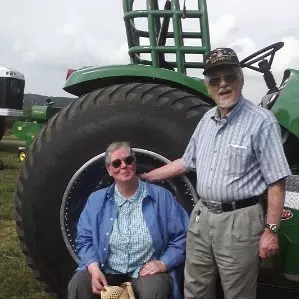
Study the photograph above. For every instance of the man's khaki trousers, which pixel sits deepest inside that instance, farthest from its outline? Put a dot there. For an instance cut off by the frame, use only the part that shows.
(228, 244)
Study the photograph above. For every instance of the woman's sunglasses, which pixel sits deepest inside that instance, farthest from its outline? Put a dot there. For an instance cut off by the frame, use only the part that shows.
(229, 78)
(128, 161)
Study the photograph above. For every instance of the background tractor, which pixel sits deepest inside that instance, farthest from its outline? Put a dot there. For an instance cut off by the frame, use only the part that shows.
(27, 130)
(155, 105)
(12, 84)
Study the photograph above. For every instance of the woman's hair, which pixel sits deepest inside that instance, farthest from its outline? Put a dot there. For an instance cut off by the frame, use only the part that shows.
(115, 146)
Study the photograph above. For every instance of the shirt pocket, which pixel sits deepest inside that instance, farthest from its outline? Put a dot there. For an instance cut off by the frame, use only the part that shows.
(237, 160)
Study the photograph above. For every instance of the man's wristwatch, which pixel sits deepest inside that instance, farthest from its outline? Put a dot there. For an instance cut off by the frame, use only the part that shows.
(272, 227)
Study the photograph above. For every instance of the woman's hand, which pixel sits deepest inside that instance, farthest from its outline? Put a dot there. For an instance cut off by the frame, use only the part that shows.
(98, 279)
(153, 267)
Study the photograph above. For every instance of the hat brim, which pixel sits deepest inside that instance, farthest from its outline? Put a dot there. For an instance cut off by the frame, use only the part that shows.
(218, 65)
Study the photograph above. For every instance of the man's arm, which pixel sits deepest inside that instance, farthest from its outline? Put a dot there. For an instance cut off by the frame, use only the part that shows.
(276, 196)
(269, 240)
(172, 169)
(179, 166)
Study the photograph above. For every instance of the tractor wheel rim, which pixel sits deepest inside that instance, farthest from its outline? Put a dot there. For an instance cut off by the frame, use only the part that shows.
(64, 208)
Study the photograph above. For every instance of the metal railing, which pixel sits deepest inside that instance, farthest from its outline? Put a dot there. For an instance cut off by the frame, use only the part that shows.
(158, 33)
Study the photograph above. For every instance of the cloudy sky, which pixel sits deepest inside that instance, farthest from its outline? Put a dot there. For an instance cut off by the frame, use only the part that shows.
(42, 39)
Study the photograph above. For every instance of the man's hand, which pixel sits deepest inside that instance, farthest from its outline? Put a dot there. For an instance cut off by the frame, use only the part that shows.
(153, 267)
(98, 279)
(144, 176)
(268, 244)
(169, 170)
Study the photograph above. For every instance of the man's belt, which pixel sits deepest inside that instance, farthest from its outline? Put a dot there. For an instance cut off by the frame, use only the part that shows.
(220, 207)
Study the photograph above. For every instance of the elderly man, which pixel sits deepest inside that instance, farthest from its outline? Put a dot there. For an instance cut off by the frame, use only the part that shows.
(237, 152)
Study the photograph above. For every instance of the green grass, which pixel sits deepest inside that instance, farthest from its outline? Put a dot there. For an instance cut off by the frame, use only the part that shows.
(16, 280)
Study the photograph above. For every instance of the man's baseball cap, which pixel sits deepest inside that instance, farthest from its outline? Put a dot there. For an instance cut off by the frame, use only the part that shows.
(219, 57)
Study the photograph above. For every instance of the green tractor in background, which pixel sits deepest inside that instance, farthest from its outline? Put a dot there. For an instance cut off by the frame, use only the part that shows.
(28, 129)
(154, 105)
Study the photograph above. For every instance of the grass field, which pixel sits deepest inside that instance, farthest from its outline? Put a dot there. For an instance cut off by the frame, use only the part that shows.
(16, 280)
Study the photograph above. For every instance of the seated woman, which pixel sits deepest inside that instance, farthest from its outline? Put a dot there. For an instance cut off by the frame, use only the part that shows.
(131, 231)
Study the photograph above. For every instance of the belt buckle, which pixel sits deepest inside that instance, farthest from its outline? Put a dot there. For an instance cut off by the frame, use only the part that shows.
(218, 209)
(214, 207)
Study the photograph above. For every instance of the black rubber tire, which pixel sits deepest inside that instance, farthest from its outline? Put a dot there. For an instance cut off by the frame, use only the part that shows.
(150, 116)
(2, 127)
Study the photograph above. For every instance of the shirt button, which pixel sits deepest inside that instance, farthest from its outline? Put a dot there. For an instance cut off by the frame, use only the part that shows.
(111, 218)
(104, 249)
(208, 187)
(211, 168)
(107, 234)
(102, 265)
(215, 151)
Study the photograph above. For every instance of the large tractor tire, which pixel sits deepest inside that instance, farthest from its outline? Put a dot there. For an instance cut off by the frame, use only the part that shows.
(2, 126)
(66, 163)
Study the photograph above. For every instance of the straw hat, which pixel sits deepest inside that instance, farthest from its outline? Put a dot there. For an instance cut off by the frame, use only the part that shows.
(125, 291)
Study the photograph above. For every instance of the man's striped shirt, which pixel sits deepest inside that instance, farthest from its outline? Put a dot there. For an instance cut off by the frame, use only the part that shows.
(238, 156)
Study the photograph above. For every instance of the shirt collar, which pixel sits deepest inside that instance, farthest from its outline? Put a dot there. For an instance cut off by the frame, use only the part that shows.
(137, 196)
(235, 111)
(149, 192)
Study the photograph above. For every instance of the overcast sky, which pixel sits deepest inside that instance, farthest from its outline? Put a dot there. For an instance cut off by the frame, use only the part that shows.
(42, 39)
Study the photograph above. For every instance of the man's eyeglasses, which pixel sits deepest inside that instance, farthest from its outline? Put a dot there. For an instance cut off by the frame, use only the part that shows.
(128, 161)
(229, 78)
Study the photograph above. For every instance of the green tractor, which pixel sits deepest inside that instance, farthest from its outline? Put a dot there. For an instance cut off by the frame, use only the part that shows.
(28, 129)
(154, 105)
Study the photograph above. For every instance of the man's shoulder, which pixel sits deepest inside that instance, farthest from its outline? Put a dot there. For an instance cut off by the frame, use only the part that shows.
(210, 113)
(259, 113)
(205, 119)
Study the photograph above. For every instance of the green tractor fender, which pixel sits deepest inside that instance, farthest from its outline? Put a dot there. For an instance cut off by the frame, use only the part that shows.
(88, 79)
(286, 108)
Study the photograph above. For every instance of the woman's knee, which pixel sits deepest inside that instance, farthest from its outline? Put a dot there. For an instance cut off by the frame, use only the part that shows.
(80, 286)
(156, 286)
